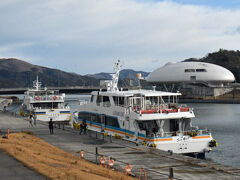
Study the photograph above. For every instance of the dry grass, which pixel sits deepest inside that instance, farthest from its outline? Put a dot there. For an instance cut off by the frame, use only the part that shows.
(53, 162)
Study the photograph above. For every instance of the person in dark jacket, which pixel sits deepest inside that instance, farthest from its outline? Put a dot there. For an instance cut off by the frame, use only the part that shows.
(84, 127)
(81, 128)
(50, 125)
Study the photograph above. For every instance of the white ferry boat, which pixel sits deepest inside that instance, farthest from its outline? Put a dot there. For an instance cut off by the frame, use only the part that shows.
(150, 117)
(45, 104)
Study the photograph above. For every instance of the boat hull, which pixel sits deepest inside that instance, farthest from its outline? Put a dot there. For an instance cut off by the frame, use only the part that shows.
(177, 144)
(57, 115)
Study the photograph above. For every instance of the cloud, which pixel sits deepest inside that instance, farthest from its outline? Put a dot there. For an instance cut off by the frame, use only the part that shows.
(87, 36)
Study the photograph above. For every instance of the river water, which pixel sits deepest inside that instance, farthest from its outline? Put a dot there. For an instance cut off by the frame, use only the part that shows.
(222, 119)
(224, 122)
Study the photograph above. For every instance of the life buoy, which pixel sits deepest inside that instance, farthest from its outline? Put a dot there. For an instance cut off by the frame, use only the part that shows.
(82, 154)
(128, 169)
(110, 163)
(103, 161)
(37, 98)
(55, 97)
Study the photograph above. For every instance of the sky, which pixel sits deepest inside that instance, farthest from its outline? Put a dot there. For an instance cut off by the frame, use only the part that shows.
(89, 36)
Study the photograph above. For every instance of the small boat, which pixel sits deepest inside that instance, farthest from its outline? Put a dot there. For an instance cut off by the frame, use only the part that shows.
(45, 104)
(147, 117)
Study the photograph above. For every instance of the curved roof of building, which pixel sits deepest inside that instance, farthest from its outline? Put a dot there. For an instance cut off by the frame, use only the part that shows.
(190, 71)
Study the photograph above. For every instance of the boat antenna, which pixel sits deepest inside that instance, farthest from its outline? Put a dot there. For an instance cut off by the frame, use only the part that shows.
(112, 84)
(37, 84)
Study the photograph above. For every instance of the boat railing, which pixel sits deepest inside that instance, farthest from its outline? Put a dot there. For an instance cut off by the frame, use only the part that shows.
(163, 108)
(164, 111)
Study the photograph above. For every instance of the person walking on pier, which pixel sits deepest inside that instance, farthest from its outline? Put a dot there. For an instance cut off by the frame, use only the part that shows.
(31, 120)
(50, 125)
(83, 127)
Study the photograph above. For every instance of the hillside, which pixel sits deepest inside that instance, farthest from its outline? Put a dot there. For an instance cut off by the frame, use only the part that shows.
(16, 73)
(226, 58)
(124, 76)
(125, 73)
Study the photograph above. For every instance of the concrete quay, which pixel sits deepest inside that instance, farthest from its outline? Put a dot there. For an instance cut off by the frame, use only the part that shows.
(156, 163)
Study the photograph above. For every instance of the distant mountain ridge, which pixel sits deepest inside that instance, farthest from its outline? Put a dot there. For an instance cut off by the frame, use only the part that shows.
(15, 73)
(125, 73)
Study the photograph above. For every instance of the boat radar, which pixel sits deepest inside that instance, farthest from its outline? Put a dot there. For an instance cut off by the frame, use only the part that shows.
(112, 84)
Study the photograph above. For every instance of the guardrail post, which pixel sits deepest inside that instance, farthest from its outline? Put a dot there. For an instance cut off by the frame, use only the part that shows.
(96, 155)
(8, 133)
(170, 173)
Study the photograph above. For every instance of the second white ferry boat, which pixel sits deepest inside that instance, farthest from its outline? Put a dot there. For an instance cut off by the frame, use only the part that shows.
(149, 117)
(45, 104)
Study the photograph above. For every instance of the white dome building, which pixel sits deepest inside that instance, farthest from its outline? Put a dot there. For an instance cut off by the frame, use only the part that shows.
(191, 72)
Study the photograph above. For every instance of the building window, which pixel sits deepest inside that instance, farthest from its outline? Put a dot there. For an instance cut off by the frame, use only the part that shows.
(193, 78)
(201, 70)
(189, 70)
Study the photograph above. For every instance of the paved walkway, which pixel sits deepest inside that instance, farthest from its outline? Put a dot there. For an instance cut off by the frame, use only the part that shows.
(11, 169)
(155, 162)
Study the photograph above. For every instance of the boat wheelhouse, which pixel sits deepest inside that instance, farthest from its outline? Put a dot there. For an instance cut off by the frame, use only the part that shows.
(45, 104)
(150, 117)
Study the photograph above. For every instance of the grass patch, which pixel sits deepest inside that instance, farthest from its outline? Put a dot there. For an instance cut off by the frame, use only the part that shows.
(53, 162)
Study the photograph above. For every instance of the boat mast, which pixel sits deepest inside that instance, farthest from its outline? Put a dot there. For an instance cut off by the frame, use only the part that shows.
(37, 84)
(112, 84)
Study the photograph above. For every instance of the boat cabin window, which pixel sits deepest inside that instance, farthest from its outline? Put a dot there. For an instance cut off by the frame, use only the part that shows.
(89, 117)
(111, 121)
(99, 100)
(174, 125)
(106, 101)
(118, 100)
(49, 105)
(103, 99)
(107, 120)
(171, 100)
(92, 97)
(150, 127)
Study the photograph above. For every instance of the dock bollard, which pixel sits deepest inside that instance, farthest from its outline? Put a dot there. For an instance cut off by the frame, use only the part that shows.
(8, 133)
(170, 174)
(110, 138)
(128, 169)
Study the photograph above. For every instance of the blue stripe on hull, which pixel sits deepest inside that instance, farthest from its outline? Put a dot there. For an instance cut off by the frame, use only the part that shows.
(121, 130)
